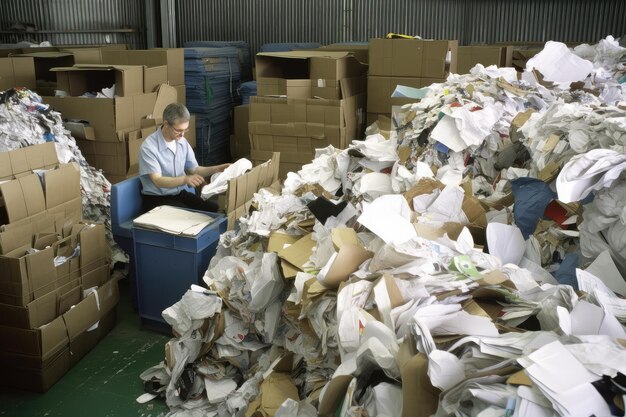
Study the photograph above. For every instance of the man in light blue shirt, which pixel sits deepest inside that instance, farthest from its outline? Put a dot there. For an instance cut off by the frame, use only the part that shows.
(168, 168)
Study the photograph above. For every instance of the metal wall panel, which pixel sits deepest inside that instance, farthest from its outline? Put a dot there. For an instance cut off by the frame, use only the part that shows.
(469, 21)
(325, 21)
(83, 21)
(260, 21)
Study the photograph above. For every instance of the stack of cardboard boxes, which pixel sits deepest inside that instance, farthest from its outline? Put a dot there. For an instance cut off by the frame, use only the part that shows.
(306, 100)
(110, 128)
(57, 300)
(469, 56)
(240, 139)
(409, 62)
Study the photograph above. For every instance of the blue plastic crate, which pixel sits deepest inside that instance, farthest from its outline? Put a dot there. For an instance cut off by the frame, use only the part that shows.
(166, 265)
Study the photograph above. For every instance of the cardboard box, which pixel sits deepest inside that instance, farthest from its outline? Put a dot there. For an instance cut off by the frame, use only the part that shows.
(42, 342)
(32, 373)
(107, 116)
(238, 198)
(296, 127)
(81, 79)
(181, 91)
(240, 139)
(360, 52)
(24, 197)
(174, 58)
(88, 55)
(17, 72)
(23, 161)
(295, 73)
(412, 58)
(44, 61)
(153, 77)
(521, 55)
(114, 158)
(379, 90)
(469, 56)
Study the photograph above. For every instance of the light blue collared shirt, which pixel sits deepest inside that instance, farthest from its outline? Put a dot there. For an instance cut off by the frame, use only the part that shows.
(156, 157)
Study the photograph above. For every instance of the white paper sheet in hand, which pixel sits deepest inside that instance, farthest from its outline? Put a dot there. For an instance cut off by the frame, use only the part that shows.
(219, 181)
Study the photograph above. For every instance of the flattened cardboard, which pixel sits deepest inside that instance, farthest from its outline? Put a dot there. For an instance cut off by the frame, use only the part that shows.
(166, 95)
(420, 398)
(298, 254)
(347, 261)
(333, 394)
(344, 235)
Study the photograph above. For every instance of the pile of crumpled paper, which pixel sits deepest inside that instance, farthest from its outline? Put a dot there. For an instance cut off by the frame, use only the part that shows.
(471, 263)
(26, 121)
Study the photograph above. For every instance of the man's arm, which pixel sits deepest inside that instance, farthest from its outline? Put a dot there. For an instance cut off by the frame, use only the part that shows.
(192, 180)
(208, 171)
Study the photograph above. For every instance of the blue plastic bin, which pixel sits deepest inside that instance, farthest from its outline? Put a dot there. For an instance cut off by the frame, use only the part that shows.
(166, 266)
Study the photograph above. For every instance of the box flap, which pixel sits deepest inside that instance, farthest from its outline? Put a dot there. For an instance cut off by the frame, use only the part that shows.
(81, 317)
(166, 94)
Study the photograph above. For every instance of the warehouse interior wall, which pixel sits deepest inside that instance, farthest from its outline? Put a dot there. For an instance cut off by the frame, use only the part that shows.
(67, 22)
(146, 23)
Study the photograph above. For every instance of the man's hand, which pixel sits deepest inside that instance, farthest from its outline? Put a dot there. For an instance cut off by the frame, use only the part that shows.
(221, 168)
(194, 180)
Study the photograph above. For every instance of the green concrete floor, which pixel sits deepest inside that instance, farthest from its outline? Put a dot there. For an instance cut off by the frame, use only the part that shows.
(105, 383)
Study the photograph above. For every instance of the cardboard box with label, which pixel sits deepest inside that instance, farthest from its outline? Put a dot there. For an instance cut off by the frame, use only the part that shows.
(380, 89)
(17, 72)
(469, 56)
(240, 139)
(174, 58)
(307, 74)
(412, 58)
(92, 78)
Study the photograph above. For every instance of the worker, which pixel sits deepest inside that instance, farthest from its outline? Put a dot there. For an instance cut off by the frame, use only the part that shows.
(168, 168)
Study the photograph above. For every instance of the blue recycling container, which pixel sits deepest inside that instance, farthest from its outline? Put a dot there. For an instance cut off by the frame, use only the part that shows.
(166, 265)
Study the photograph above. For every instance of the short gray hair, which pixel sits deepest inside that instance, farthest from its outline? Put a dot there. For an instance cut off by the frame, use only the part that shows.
(176, 113)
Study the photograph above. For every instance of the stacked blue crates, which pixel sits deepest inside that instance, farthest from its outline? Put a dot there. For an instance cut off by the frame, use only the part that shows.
(212, 79)
(245, 60)
(247, 90)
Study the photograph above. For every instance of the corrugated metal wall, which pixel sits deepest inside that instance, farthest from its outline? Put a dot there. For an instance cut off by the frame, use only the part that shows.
(259, 21)
(84, 21)
(325, 21)
(469, 21)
